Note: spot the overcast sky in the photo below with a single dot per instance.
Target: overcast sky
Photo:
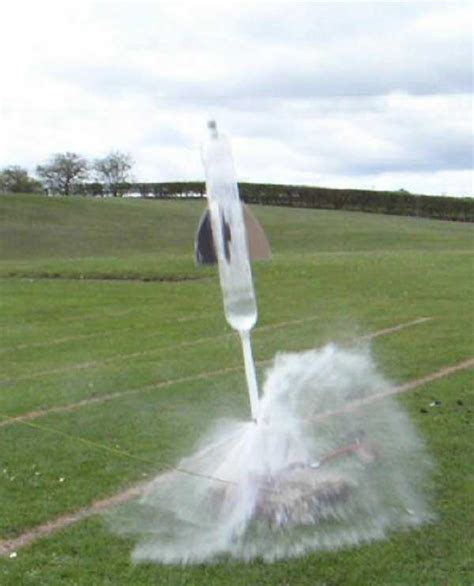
(358, 94)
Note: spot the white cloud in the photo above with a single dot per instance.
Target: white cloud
(355, 94)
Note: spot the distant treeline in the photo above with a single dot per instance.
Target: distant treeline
(71, 174)
(400, 203)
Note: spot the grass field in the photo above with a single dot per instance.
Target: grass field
(116, 358)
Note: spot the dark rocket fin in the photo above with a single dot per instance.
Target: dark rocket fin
(259, 247)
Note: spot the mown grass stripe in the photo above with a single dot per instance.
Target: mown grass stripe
(147, 337)
(151, 351)
(208, 374)
(111, 396)
(106, 315)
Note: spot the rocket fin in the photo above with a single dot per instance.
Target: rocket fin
(259, 247)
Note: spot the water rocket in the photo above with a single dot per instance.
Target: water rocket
(231, 248)
(319, 471)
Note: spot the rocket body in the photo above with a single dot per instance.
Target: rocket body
(230, 241)
(229, 233)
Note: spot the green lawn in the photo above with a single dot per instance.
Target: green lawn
(102, 297)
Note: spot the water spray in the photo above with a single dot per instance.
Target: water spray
(329, 464)
(231, 244)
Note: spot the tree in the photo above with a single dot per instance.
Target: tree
(113, 170)
(15, 179)
(62, 172)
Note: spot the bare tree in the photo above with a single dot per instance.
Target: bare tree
(113, 170)
(62, 172)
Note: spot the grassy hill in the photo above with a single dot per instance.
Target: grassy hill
(84, 235)
(115, 346)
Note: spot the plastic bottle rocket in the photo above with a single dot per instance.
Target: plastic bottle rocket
(230, 241)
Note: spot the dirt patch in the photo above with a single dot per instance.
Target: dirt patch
(105, 277)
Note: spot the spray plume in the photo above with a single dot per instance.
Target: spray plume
(319, 466)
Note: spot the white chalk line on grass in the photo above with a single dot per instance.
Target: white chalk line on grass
(358, 403)
(111, 333)
(184, 318)
(151, 351)
(203, 375)
(110, 396)
(393, 329)
(86, 317)
(8, 546)
(71, 338)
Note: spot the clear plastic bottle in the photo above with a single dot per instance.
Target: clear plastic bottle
(230, 236)
(230, 241)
